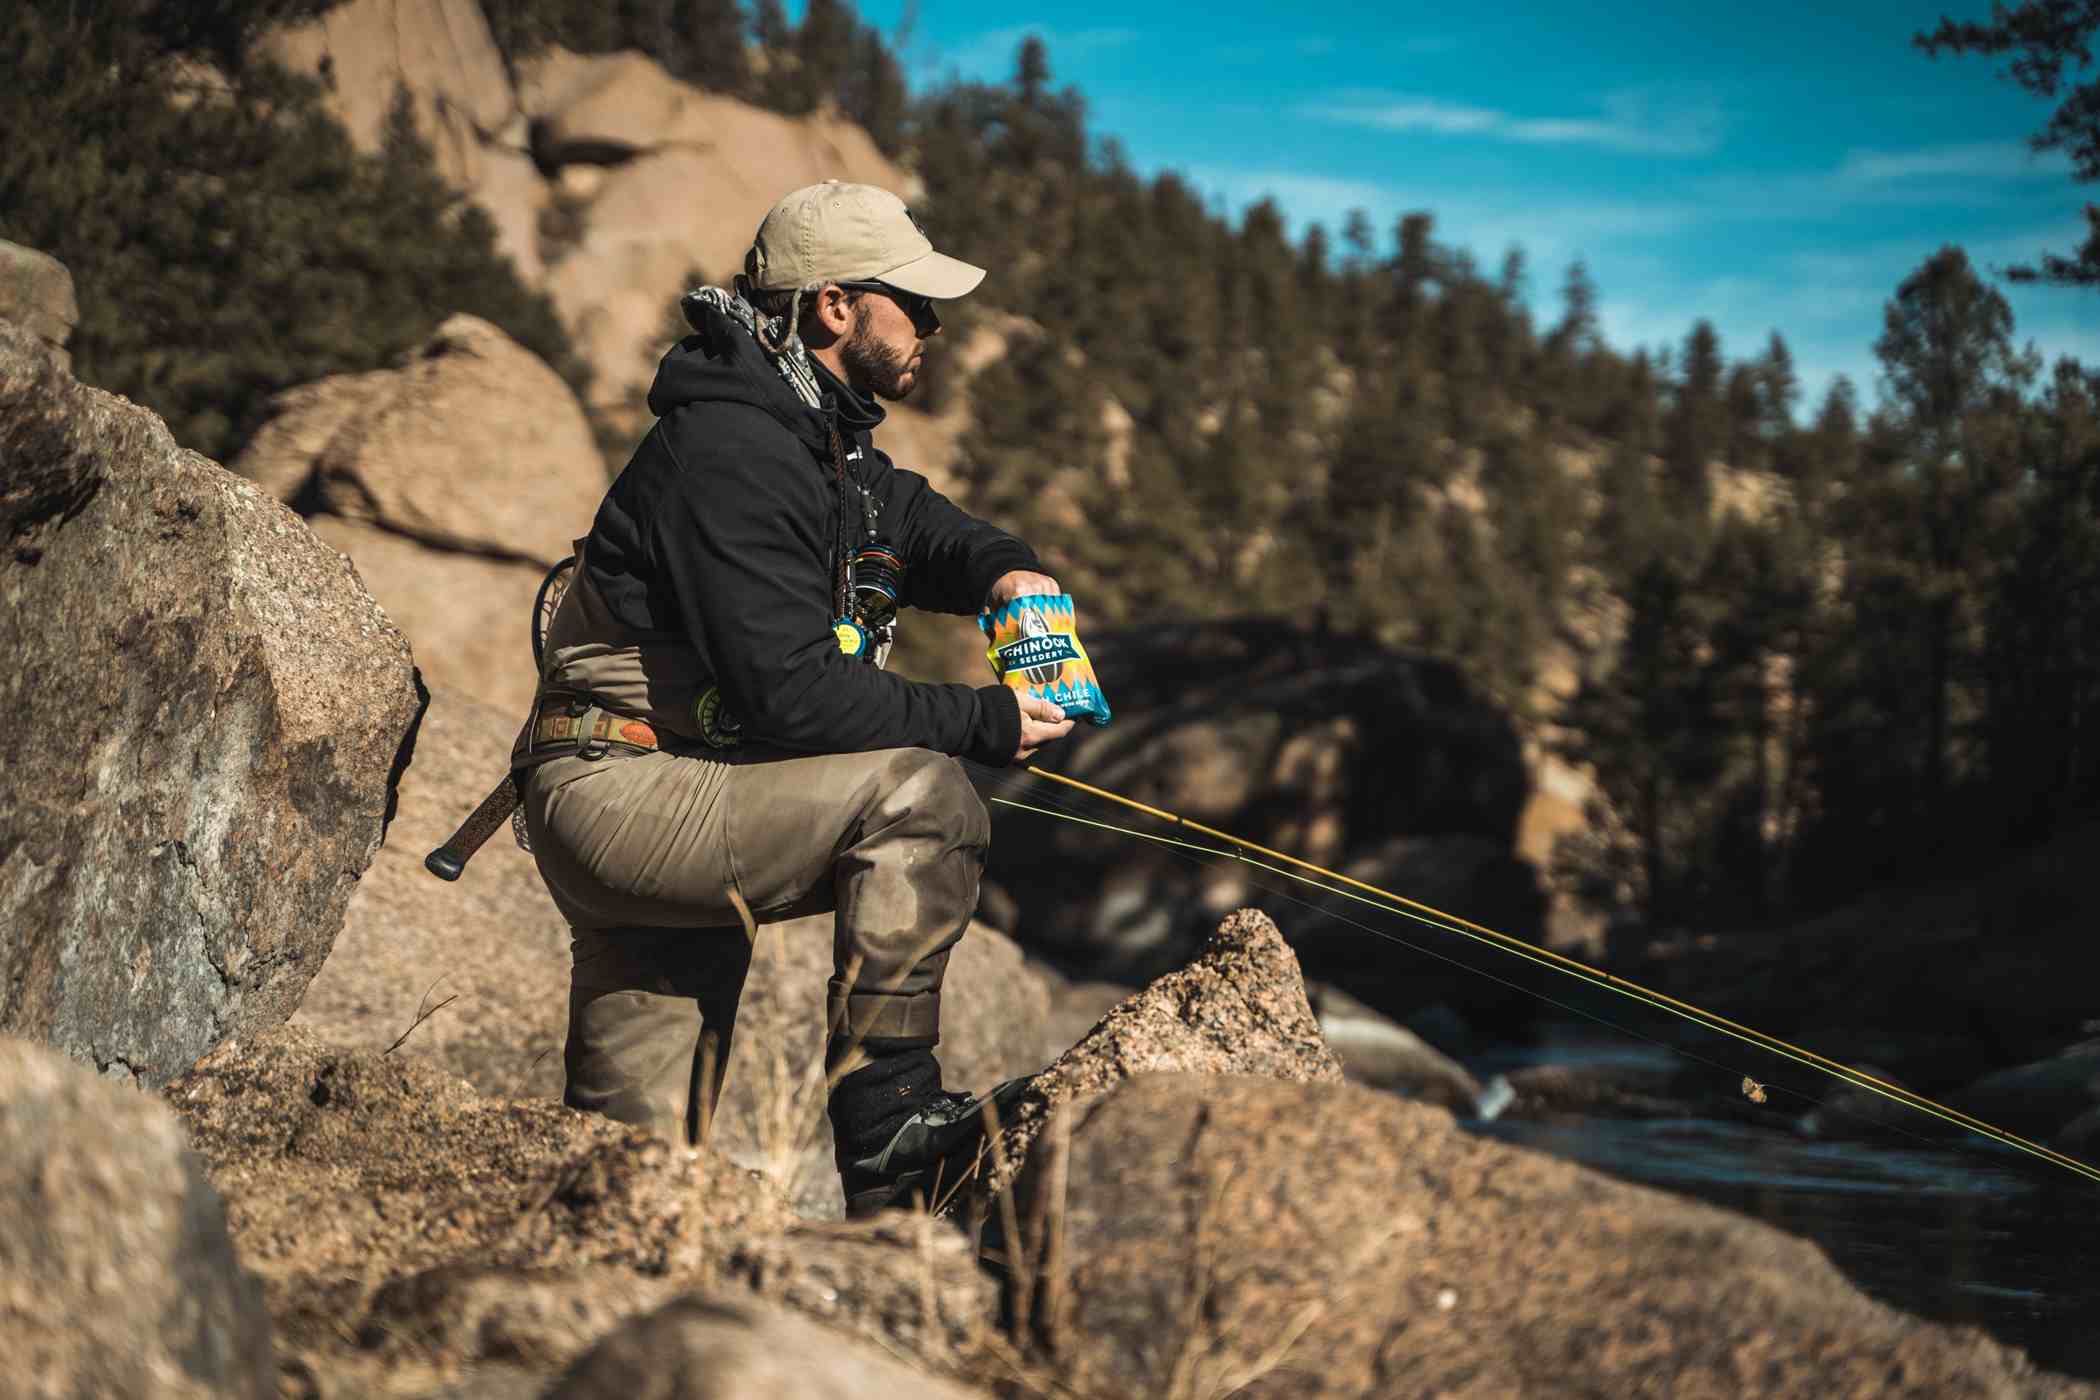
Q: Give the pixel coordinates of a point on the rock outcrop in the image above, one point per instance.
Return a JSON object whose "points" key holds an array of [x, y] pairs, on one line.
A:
{"points": [[452, 482], [472, 444], [117, 1276], [716, 1347], [1238, 1008], [36, 293], [207, 715], [1325, 1239], [440, 53]]}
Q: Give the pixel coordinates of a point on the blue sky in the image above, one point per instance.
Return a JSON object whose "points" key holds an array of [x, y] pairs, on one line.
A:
{"points": [[1777, 169]]}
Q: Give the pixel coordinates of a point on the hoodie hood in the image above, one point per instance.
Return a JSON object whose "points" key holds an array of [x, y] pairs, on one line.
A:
{"points": [[722, 362]]}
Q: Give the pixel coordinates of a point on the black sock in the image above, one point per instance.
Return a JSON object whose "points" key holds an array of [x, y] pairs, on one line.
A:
{"points": [[869, 1105]]}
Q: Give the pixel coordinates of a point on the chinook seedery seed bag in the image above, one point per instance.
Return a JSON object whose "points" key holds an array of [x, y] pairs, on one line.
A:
{"points": [[1035, 649]]}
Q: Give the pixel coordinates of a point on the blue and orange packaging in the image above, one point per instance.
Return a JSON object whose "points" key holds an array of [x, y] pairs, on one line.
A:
{"points": [[1035, 649]]}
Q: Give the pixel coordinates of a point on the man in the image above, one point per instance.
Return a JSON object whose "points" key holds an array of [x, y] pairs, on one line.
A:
{"points": [[710, 739]]}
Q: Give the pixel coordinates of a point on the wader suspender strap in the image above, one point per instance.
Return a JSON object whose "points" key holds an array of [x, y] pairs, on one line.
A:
{"points": [[842, 535]]}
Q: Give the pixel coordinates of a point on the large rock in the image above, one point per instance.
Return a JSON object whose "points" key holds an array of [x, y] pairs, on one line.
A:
{"points": [[473, 444], [1326, 1239], [207, 712], [1384, 766], [117, 1276], [1238, 1009], [721, 1347], [36, 292]]}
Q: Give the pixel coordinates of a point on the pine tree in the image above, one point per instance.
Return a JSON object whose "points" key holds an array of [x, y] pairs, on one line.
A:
{"points": [[1695, 432], [1032, 72], [1954, 384], [2045, 37], [709, 36]]}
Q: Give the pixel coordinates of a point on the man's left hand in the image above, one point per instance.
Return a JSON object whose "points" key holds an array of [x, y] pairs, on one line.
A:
{"points": [[1019, 583]]}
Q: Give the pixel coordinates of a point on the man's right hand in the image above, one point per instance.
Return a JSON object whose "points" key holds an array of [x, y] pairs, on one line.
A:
{"points": [[1041, 722]]}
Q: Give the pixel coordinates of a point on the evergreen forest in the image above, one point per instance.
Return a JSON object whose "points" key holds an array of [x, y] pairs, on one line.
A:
{"points": [[1808, 647]]}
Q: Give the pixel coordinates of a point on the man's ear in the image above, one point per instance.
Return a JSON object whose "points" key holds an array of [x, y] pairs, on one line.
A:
{"points": [[834, 310]]}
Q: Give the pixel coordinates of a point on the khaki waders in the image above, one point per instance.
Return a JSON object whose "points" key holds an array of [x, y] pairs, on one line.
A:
{"points": [[640, 851]]}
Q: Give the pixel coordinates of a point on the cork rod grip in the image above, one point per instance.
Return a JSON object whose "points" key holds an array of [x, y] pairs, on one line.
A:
{"points": [[449, 861]]}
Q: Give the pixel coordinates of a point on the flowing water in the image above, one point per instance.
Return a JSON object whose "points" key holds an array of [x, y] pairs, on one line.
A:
{"points": [[1961, 1231]]}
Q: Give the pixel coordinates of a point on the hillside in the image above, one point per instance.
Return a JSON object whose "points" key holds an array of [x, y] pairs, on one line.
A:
{"points": [[1764, 655]]}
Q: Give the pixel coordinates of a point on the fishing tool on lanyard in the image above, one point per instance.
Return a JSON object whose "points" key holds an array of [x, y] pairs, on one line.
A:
{"points": [[870, 577]]}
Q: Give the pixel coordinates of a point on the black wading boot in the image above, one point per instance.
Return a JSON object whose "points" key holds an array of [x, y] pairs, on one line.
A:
{"points": [[904, 1141]]}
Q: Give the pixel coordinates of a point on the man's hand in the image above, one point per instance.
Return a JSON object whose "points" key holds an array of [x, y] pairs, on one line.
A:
{"points": [[1019, 583], [1041, 721]]}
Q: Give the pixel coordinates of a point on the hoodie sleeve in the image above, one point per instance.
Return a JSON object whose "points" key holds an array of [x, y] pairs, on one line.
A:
{"points": [[744, 544], [951, 558]]}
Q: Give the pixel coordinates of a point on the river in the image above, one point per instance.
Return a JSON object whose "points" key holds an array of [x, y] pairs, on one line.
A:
{"points": [[1961, 1231]]}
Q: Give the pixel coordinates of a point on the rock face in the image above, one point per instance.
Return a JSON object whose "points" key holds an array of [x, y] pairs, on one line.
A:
{"points": [[725, 1348], [208, 715], [36, 292], [1385, 767], [1238, 1009], [472, 444], [1325, 1239], [117, 1276], [439, 51]]}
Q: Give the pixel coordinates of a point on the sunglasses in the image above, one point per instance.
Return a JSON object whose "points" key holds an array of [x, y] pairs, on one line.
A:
{"points": [[924, 319]]}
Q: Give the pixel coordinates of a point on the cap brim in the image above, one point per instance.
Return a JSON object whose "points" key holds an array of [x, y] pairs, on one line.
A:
{"points": [[936, 275]]}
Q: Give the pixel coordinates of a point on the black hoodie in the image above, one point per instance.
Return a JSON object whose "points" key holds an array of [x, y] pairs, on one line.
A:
{"points": [[723, 528]]}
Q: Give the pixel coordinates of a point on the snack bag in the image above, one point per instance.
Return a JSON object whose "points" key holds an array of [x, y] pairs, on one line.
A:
{"points": [[1035, 649]]}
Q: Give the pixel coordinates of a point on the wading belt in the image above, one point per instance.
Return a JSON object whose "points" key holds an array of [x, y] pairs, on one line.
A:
{"points": [[563, 725]]}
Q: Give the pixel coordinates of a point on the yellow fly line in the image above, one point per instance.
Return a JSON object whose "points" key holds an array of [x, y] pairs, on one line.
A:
{"points": [[1545, 957]]}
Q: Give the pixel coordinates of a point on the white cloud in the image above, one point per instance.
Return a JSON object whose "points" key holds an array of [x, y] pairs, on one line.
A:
{"points": [[1643, 121], [1969, 160]]}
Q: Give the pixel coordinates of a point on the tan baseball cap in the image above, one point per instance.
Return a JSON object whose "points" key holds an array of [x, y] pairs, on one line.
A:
{"points": [[836, 232]]}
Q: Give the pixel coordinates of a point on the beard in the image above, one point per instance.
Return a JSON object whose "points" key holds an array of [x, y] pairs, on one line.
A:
{"points": [[873, 367]]}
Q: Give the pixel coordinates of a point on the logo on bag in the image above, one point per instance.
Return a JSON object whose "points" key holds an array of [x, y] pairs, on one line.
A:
{"points": [[1038, 653]]}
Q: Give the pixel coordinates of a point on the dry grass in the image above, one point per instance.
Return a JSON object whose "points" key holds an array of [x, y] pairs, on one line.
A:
{"points": [[1047, 1359]]}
